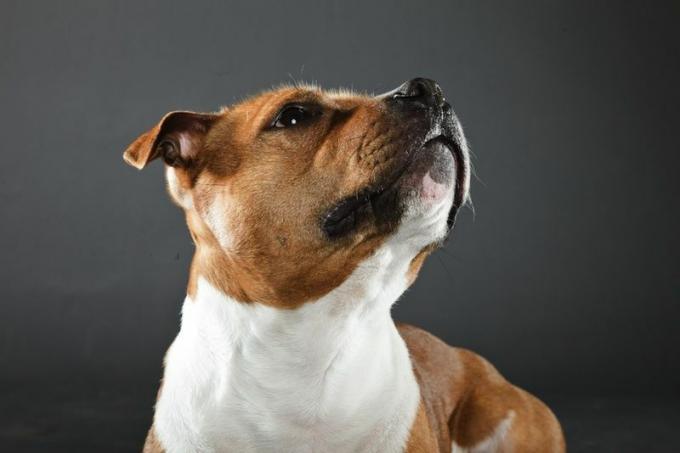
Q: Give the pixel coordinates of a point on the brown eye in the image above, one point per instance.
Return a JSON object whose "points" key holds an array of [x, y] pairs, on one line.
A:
{"points": [[292, 115]]}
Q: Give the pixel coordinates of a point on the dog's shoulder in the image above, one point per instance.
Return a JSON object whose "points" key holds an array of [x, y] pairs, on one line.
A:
{"points": [[468, 402], [442, 368], [440, 373], [439, 366], [428, 353]]}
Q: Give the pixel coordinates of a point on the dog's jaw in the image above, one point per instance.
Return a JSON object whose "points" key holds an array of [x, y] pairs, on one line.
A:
{"points": [[427, 188]]}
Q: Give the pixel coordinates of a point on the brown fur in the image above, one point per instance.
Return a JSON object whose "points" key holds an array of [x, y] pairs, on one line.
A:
{"points": [[465, 399], [417, 262], [152, 444], [423, 438]]}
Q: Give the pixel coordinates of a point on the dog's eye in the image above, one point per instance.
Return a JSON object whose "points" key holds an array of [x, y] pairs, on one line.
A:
{"points": [[292, 115]]}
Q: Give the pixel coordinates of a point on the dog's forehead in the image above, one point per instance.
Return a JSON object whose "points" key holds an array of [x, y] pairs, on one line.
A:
{"points": [[335, 98]]}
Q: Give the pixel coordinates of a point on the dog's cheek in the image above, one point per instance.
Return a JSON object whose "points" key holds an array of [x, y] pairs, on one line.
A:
{"points": [[217, 215]]}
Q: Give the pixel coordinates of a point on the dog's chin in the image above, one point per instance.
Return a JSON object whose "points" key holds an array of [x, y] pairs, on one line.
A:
{"points": [[429, 179], [426, 191]]}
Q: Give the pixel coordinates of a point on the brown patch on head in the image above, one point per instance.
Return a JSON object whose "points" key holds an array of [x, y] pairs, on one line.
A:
{"points": [[256, 196]]}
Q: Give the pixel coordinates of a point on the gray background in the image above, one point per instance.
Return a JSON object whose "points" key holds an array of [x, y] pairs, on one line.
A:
{"points": [[567, 278]]}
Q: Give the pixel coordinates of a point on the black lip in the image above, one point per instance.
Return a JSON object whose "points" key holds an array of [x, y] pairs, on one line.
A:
{"points": [[455, 141], [344, 216]]}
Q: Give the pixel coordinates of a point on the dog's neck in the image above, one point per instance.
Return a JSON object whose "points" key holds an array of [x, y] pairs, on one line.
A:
{"points": [[335, 370]]}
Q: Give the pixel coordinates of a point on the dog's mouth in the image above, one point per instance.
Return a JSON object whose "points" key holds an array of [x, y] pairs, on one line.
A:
{"points": [[382, 201]]}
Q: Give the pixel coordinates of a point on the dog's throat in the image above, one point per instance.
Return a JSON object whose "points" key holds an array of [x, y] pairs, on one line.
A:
{"points": [[322, 366]]}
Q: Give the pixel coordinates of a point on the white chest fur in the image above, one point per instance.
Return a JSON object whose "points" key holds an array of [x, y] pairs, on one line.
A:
{"points": [[330, 376]]}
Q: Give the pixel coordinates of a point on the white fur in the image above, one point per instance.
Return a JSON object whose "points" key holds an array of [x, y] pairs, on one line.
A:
{"points": [[181, 196], [216, 213], [333, 375], [492, 444], [216, 217]]}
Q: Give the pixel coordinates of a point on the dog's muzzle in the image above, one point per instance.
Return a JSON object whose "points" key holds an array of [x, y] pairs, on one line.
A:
{"points": [[423, 100]]}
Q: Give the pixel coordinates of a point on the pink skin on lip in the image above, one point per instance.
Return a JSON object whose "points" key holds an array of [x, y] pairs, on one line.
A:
{"points": [[432, 191]]}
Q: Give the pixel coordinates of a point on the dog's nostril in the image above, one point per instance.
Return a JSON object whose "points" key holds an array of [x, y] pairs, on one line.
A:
{"points": [[400, 95], [419, 91], [411, 89]]}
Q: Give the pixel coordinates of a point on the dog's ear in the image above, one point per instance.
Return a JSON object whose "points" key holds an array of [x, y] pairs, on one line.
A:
{"points": [[177, 138]]}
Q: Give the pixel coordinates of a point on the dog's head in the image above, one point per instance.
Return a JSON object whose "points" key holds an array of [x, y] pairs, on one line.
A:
{"points": [[288, 192]]}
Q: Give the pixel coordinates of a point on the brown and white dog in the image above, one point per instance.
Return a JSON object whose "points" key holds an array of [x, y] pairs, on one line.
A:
{"points": [[312, 212]]}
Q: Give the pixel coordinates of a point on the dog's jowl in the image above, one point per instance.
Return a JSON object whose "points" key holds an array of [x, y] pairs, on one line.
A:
{"points": [[312, 211]]}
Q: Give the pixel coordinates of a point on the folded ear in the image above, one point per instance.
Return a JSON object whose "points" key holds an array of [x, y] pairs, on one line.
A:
{"points": [[177, 138]]}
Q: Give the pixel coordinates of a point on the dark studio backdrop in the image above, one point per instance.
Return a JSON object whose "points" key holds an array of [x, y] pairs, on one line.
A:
{"points": [[566, 277]]}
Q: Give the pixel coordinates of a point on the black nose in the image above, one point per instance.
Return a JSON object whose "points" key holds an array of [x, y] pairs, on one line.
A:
{"points": [[421, 91]]}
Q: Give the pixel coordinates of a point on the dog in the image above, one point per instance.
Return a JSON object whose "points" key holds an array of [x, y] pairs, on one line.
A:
{"points": [[312, 211]]}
